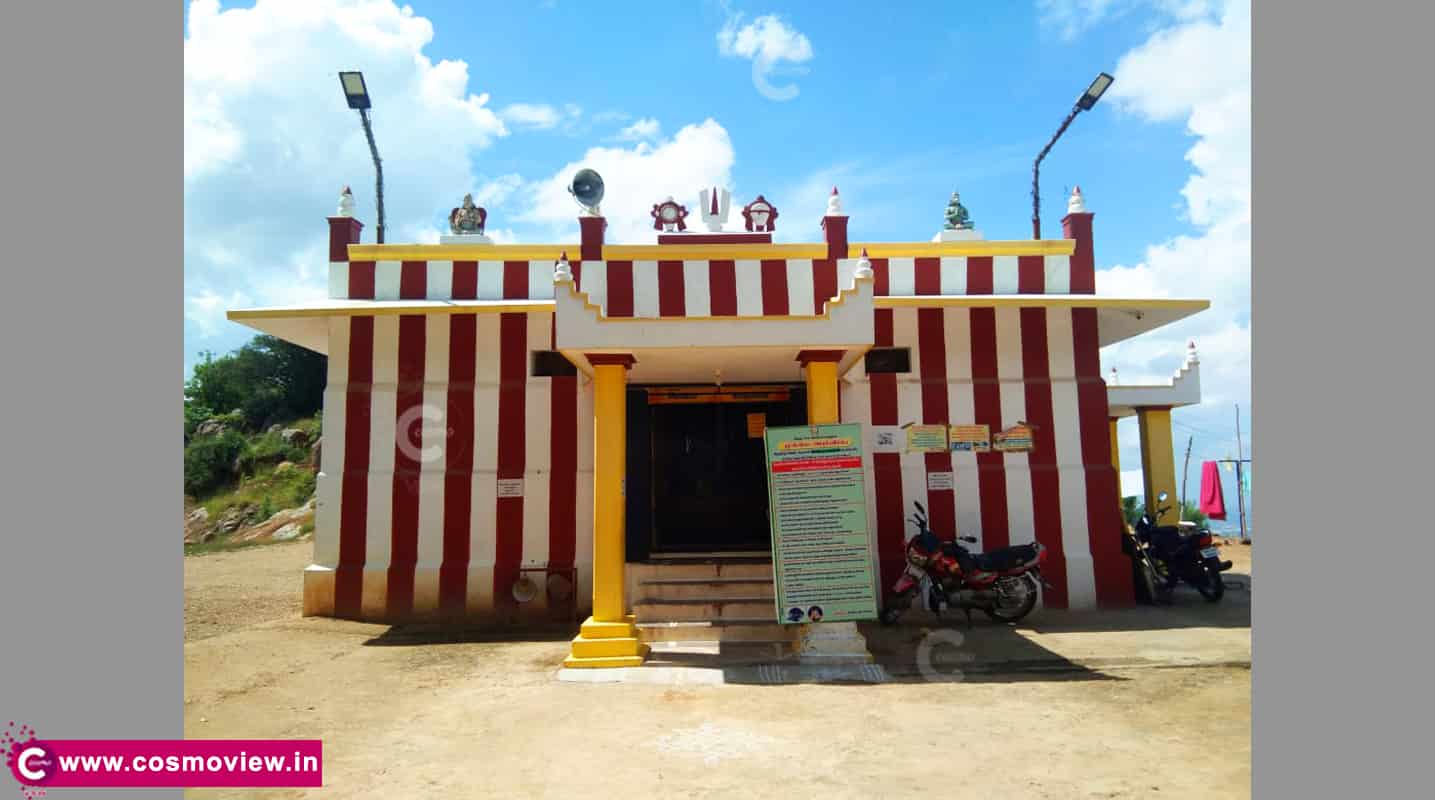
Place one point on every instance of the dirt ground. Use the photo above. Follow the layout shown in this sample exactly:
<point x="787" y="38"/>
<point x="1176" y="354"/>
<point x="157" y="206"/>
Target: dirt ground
<point x="1150" y="702"/>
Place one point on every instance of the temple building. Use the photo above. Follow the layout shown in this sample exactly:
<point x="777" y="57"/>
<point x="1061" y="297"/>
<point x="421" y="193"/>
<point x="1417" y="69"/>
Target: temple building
<point x="515" y="433"/>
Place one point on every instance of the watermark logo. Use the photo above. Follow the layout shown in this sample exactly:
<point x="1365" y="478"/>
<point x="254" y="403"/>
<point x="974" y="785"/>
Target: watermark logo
<point x="926" y="664"/>
<point x="31" y="761"/>
<point x="411" y="433"/>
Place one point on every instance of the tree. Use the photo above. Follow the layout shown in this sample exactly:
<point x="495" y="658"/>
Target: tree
<point x="267" y="380"/>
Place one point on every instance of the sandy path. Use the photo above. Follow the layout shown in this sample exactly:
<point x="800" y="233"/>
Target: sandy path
<point x="402" y="715"/>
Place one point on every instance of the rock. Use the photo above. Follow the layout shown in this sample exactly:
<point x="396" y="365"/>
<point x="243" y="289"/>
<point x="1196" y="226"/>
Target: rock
<point x="290" y="531"/>
<point x="284" y="465"/>
<point x="315" y="450"/>
<point x="275" y="428"/>
<point x="232" y="519"/>
<point x="210" y="427"/>
<point x="198" y="515"/>
<point x="207" y="537"/>
<point x="294" y="437"/>
<point x="196" y="524"/>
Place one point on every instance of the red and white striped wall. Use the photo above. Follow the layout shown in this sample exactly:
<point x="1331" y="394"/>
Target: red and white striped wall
<point x="697" y="288"/>
<point x="447" y="469"/>
<point x="995" y="366"/>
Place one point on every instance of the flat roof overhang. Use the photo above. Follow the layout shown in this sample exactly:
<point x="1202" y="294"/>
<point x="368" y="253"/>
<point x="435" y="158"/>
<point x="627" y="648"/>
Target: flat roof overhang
<point x="308" y="325"/>
<point x="1118" y="318"/>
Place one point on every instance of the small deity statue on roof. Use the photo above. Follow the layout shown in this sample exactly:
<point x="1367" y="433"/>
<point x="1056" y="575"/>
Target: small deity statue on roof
<point x="468" y="218"/>
<point x="957" y="219"/>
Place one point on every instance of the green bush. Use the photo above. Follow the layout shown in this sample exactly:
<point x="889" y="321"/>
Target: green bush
<point x="209" y="462"/>
<point x="194" y="414"/>
<point x="269" y="450"/>
<point x="268" y="380"/>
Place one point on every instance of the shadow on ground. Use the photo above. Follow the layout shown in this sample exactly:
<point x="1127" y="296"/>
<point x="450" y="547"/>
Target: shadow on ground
<point x="421" y="634"/>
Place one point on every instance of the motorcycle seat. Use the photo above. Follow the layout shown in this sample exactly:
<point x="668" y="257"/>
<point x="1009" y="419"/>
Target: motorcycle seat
<point x="1006" y="558"/>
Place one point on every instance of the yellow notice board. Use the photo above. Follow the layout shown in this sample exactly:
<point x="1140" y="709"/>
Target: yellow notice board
<point x="927" y="439"/>
<point x="970" y="438"/>
<point x="1016" y="439"/>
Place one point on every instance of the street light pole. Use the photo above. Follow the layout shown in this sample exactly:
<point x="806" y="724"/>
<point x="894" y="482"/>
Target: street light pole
<point x="1088" y="99"/>
<point x="356" y="92"/>
<point x="378" y="171"/>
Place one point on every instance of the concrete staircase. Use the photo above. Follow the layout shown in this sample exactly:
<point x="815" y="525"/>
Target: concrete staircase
<point x="711" y="612"/>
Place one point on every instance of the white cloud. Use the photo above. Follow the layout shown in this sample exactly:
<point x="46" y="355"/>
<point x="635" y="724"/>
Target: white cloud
<point x="766" y="42"/>
<point x="642" y="130"/>
<point x="269" y="141"/>
<point x="1071" y="18"/>
<point x="539" y="116"/>
<point x="206" y="309"/>
<point x="1197" y="70"/>
<point x="635" y="178"/>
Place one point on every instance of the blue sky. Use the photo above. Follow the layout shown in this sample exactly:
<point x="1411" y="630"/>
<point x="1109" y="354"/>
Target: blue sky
<point x="898" y="108"/>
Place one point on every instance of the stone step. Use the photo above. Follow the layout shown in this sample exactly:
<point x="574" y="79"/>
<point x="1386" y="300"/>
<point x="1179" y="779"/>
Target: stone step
<point x="719" y="654"/>
<point x="649" y="609"/>
<point x="762" y="630"/>
<point x="715" y="568"/>
<point x="709" y="589"/>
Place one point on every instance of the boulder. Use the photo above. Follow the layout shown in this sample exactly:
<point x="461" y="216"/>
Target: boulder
<point x="294" y="437"/>
<point x="275" y="428"/>
<point x="232" y="519"/>
<point x="210" y="427"/>
<point x="290" y="531"/>
<point x="284" y="465"/>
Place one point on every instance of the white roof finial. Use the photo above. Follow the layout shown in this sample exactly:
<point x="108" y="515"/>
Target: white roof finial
<point x="346" y="203"/>
<point x="1114" y="382"/>
<point x="864" y="267"/>
<point x="1077" y="203"/>
<point x="563" y="271"/>
<point x="834" y="203"/>
<point x="1191" y="357"/>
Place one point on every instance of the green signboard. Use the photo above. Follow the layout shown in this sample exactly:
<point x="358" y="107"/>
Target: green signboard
<point x="821" y="543"/>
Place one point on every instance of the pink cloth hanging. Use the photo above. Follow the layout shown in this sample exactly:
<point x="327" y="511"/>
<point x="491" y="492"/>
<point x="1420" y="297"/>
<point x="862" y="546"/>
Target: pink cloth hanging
<point x="1213" y="502"/>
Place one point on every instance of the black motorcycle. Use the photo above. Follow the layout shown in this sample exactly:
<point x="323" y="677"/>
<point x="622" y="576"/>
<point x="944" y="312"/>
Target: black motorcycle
<point x="1164" y="555"/>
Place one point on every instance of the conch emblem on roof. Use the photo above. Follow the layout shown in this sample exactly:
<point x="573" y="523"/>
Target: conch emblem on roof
<point x="669" y="216"/>
<point x="760" y="216"/>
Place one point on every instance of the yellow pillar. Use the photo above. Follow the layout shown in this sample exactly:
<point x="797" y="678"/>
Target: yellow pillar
<point x="820" y="367"/>
<point x="1116" y="461"/>
<point x="609" y="637"/>
<point x="1158" y="461"/>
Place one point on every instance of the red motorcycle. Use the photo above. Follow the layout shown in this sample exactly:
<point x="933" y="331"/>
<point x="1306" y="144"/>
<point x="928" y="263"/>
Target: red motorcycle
<point x="1004" y="584"/>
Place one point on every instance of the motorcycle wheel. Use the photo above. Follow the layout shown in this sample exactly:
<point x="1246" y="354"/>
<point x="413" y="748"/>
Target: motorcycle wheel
<point x="1212" y="587"/>
<point x="1028" y="603"/>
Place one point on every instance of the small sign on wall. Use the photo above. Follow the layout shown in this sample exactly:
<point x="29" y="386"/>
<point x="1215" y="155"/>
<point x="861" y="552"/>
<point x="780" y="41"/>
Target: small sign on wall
<point x="756" y="424"/>
<point x="1016" y="439"/>
<point x="927" y="439"/>
<point x="971" y="438"/>
<point x="885" y="438"/>
<point x="510" y="487"/>
<point x="940" y="482"/>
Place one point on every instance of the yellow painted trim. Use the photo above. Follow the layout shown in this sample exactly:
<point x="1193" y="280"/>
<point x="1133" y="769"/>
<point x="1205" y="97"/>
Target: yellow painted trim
<point x="703" y="252"/>
<point x="1116" y="462"/>
<point x="1028" y="247"/>
<point x="821" y="392"/>
<point x="1038" y="300"/>
<point x="386" y="308"/>
<point x="826" y="314"/>
<point x="1158" y="461"/>
<point x="709" y="252"/>
<point x="610" y="410"/>
<point x="461" y="252"/>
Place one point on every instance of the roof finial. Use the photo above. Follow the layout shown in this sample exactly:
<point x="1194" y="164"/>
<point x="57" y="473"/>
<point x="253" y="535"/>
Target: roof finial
<point x="346" y="203"/>
<point x="864" y="267"/>
<point x="1191" y="357"/>
<point x="1114" y="381"/>
<point x="834" y="203"/>
<point x="563" y="271"/>
<point x="1077" y="203"/>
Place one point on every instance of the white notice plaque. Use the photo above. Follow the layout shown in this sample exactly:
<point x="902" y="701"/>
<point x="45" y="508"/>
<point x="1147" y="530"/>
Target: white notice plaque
<point x="510" y="487"/>
<point x="940" y="482"/>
